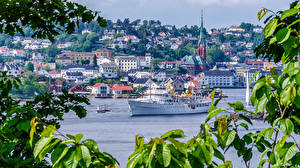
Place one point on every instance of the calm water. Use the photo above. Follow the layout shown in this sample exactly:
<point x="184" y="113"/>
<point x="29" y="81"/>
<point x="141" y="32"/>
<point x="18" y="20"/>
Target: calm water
<point x="115" y="131"/>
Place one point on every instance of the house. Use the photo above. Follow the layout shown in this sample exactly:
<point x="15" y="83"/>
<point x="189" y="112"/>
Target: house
<point x="54" y="74"/>
<point x="141" y="82"/>
<point x="162" y="75"/>
<point x="169" y="65"/>
<point x="86" y="70"/>
<point x="236" y="29"/>
<point x="78" y="89"/>
<point x="176" y="83"/>
<point x="145" y="60"/>
<point x="100" y="89"/>
<point x="193" y="85"/>
<point x="258" y="29"/>
<point x="73" y="76"/>
<point x="12" y="69"/>
<point x="19" y="60"/>
<point x="37" y="58"/>
<point x="119" y="90"/>
<point x="64" y="60"/>
<point x="108" y="70"/>
<point x="19" y="53"/>
<point x="126" y="63"/>
<point x="219" y="78"/>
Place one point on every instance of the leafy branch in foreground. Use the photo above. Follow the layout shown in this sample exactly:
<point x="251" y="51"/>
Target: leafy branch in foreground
<point x="45" y="18"/>
<point x="70" y="151"/>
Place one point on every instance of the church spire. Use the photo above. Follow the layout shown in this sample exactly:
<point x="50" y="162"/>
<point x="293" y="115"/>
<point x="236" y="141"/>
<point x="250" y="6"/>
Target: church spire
<point x="202" y="34"/>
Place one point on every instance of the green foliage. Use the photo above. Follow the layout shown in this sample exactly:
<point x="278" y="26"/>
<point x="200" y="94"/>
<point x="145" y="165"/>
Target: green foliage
<point x="214" y="55"/>
<point x="15" y="123"/>
<point x="60" y="15"/>
<point x="281" y="34"/>
<point x="29" y="67"/>
<point x="276" y="96"/>
<point x="71" y="151"/>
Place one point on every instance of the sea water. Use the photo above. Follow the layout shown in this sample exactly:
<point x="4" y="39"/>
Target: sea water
<point x="115" y="131"/>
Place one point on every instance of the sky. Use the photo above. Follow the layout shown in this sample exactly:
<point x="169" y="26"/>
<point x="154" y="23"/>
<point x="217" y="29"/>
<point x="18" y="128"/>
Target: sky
<point x="217" y="13"/>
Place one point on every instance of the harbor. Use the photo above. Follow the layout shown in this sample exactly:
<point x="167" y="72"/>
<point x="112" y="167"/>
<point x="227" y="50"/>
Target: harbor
<point x="114" y="131"/>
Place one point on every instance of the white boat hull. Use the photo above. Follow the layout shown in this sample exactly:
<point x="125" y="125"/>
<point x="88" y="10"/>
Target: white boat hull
<point x="147" y="108"/>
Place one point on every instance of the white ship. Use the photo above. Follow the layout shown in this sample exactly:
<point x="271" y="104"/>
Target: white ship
<point x="159" y="101"/>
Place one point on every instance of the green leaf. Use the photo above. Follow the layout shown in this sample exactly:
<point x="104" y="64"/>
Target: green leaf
<point x="289" y="154"/>
<point x="282" y="35"/>
<point x="261" y="163"/>
<point x="48" y="131"/>
<point x="214" y="113"/>
<point x="244" y="125"/>
<point x="68" y="141"/>
<point x="41" y="144"/>
<point x="58" y="154"/>
<point x="262" y="13"/>
<point x="286" y="126"/>
<point x="212" y="96"/>
<point x="78" y="138"/>
<point x="178" y="133"/>
<point x="268" y="134"/>
<point x="263" y="154"/>
<point x="230" y="137"/>
<point x="92" y="145"/>
<point x="166" y="155"/>
<point x="296" y="119"/>
<point x="245" y="119"/>
<point x="275" y="122"/>
<point x="48" y="149"/>
<point x="219" y="155"/>
<point x="71" y="159"/>
<point x="23" y="126"/>
<point x="270" y="27"/>
<point x="237" y="106"/>
<point x="85" y="155"/>
<point x="289" y="12"/>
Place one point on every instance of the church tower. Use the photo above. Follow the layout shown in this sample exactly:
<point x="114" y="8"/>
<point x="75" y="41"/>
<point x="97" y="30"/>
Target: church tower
<point x="201" y="50"/>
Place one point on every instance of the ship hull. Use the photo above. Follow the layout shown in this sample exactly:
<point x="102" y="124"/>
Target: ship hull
<point x="145" y="108"/>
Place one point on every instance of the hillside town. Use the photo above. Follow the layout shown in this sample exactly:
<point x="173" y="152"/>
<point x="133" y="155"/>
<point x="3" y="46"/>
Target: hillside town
<point x="219" y="58"/>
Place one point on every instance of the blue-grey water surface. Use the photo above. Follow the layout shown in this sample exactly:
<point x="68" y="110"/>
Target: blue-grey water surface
<point x="115" y="131"/>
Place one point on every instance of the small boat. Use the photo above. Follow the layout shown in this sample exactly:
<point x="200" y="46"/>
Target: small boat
<point x="102" y="109"/>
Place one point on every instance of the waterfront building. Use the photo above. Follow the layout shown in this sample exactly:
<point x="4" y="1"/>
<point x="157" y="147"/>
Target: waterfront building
<point x="120" y="89"/>
<point x="100" y="89"/>
<point x="78" y="89"/>
<point x="126" y="63"/>
<point x="219" y="78"/>
<point x="63" y="60"/>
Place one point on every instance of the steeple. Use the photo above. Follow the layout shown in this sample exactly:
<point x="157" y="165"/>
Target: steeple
<point x="202" y="34"/>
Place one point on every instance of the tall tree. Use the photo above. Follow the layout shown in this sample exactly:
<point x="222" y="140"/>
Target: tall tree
<point x="29" y="67"/>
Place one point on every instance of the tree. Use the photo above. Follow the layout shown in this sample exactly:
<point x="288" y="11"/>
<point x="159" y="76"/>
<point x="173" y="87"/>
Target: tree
<point x="29" y="67"/>
<point x="214" y="55"/>
<point x="44" y="22"/>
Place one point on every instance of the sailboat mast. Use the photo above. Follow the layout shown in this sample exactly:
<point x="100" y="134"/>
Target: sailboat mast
<point x="150" y="81"/>
<point x="247" y="89"/>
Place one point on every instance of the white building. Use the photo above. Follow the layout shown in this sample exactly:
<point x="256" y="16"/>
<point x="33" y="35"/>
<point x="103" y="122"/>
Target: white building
<point x="107" y="68"/>
<point x="86" y="70"/>
<point x="218" y="78"/>
<point x="12" y="69"/>
<point x="126" y="63"/>
<point x="100" y="89"/>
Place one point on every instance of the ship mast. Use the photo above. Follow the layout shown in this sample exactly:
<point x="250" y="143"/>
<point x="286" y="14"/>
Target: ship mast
<point x="150" y="80"/>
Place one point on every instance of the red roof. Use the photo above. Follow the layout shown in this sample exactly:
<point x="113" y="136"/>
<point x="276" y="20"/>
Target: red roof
<point x="97" y="84"/>
<point x="54" y="72"/>
<point x="77" y="88"/>
<point x="19" y="51"/>
<point x="195" y="82"/>
<point x="129" y="88"/>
